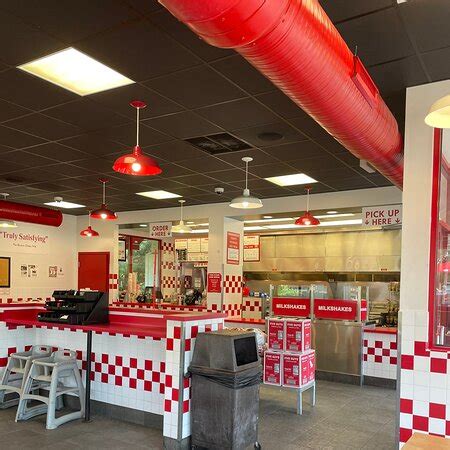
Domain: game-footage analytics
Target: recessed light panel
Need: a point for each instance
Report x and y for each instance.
(158, 195)
(76, 72)
(65, 205)
(291, 180)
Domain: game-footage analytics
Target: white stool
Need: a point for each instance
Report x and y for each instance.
(59, 374)
(16, 372)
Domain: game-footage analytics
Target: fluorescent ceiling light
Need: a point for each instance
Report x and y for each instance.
(76, 72)
(291, 180)
(331, 212)
(158, 195)
(201, 231)
(276, 219)
(65, 205)
(335, 215)
(255, 228)
(190, 223)
(143, 225)
(198, 224)
(267, 217)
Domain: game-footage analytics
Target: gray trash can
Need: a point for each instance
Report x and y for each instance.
(226, 374)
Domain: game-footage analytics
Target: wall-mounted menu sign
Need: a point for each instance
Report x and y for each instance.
(252, 248)
(233, 248)
(181, 244)
(193, 245)
(204, 245)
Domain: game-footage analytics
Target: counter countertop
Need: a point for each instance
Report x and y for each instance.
(246, 321)
(381, 330)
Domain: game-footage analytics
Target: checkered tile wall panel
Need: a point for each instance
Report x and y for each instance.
(233, 309)
(113, 281)
(380, 355)
(252, 304)
(232, 284)
(169, 280)
(178, 397)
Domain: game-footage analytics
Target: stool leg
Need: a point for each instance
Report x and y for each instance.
(299, 402)
(22, 408)
(81, 393)
(313, 395)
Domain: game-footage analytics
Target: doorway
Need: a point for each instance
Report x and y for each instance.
(93, 271)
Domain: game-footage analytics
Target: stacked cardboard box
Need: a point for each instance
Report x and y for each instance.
(289, 361)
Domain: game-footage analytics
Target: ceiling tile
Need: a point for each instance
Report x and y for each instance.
(10, 111)
(313, 166)
(271, 170)
(394, 76)
(57, 152)
(378, 179)
(238, 114)
(30, 159)
(68, 170)
(229, 175)
(438, 64)
(119, 101)
(344, 9)
(375, 47)
(93, 144)
(271, 192)
(86, 114)
(351, 183)
(17, 139)
(308, 126)
(238, 70)
(11, 166)
(278, 101)
(31, 175)
(205, 164)
(138, 50)
(195, 180)
(174, 151)
(196, 87)
(259, 135)
(253, 183)
(101, 165)
(44, 127)
(295, 151)
(31, 92)
(183, 125)
(126, 135)
(210, 198)
(428, 21)
(330, 144)
(259, 157)
(21, 43)
(187, 38)
(145, 6)
(170, 170)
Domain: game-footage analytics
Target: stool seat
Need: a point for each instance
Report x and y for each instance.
(59, 375)
(16, 371)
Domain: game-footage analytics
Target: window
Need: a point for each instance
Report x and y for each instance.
(439, 242)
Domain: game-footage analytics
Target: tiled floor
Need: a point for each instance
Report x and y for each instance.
(345, 417)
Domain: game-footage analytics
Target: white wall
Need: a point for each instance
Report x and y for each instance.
(58, 250)
(421, 383)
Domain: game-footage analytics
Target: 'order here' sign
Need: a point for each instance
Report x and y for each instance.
(382, 215)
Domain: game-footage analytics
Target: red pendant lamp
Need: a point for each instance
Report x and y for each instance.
(307, 219)
(103, 212)
(89, 232)
(136, 163)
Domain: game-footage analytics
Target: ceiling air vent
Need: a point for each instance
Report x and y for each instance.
(215, 144)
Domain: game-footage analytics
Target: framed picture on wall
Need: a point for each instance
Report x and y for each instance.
(122, 250)
(5, 272)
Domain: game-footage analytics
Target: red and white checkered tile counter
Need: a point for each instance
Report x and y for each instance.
(160, 306)
(380, 353)
(252, 308)
(130, 367)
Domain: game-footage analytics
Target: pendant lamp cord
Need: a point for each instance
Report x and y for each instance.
(246, 175)
(307, 199)
(137, 127)
(104, 188)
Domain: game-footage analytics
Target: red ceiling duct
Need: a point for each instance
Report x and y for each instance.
(30, 214)
(296, 46)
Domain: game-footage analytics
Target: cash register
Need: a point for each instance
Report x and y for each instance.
(76, 308)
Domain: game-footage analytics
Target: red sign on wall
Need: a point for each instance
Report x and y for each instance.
(233, 248)
(215, 283)
(296, 307)
(335, 309)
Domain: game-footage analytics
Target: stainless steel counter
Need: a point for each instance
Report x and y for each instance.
(338, 346)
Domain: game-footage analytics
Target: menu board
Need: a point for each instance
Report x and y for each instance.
(233, 247)
(204, 245)
(181, 244)
(193, 245)
(252, 248)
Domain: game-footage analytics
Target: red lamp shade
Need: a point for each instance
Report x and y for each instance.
(89, 232)
(307, 219)
(103, 213)
(137, 163)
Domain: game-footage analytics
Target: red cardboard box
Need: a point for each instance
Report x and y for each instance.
(275, 334)
(298, 369)
(298, 335)
(272, 368)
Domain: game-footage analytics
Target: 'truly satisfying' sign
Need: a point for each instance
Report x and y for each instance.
(13, 241)
(376, 216)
